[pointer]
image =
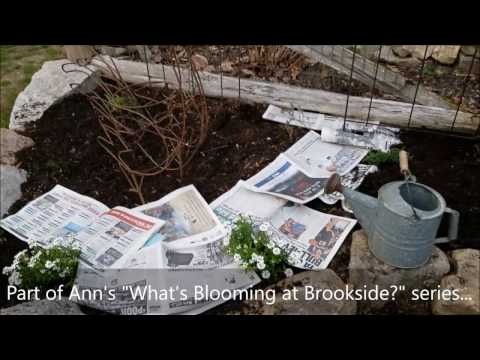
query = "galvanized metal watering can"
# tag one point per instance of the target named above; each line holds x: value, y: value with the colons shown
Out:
x: 402, y: 223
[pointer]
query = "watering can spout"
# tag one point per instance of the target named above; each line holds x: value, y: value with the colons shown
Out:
x: 364, y: 206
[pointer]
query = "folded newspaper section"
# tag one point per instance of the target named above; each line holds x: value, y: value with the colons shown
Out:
x: 158, y: 291
x: 381, y: 139
x: 192, y: 235
x: 188, y: 219
x: 350, y: 132
x: 311, y: 238
x: 300, y: 174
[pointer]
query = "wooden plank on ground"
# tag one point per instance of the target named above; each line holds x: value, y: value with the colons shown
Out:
x: 385, y: 111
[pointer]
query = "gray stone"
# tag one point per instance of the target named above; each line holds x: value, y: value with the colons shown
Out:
x: 466, y: 281
x: 446, y: 54
x: 11, y: 179
x: 465, y: 62
x: 49, y: 85
x: 323, y: 279
x: 389, y: 57
x: 416, y: 51
x: 469, y: 50
x: 366, y: 270
x: 10, y: 143
x: 44, y: 307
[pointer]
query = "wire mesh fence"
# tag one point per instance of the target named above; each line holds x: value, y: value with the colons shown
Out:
x: 265, y: 62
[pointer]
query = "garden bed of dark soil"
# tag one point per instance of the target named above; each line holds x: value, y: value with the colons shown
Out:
x: 240, y: 143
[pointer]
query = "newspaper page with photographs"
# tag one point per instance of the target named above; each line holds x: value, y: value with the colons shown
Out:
x: 320, y: 159
x: 57, y: 214
x: 311, y: 238
x: 117, y: 233
x: 188, y: 219
x: 283, y: 178
x: 300, y: 174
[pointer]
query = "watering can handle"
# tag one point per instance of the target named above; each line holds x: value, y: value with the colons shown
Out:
x: 452, y: 226
x: 403, y: 155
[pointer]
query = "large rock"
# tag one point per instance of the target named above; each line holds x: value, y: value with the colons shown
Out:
x: 466, y: 281
x: 11, y: 180
x: 446, y: 54
x: 49, y: 85
x: 10, y: 143
x: 44, y: 307
x: 466, y: 62
x: 387, y: 55
x: 416, y: 51
x: 323, y: 279
x: 366, y: 270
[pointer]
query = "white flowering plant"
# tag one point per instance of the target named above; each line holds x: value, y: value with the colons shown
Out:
x: 253, y: 249
x: 43, y: 268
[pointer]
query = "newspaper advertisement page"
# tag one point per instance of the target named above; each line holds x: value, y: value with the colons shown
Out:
x: 311, y: 238
x: 188, y: 219
x: 283, y: 178
x: 113, y: 236
x: 57, y: 214
x: 321, y: 159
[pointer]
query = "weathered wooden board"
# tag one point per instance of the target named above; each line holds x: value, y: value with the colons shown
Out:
x: 384, y: 111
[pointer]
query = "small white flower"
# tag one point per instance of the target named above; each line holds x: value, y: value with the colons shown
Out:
x: 252, y: 261
x: 276, y: 251
x: 49, y: 264
x: 15, y: 278
x: 7, y: 270
x: 269, y: 232
x: 237, y: 258
x: 288, y: 272
x: 269, y: 245
x: 263, y: 227
x: 260, y: 259
x: 265, y: 274
x: 260, y: 265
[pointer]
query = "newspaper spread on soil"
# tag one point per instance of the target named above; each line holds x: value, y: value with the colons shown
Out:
x: 119, y: 249
x: 311, y: 238
x: 300, y: 174
x: 350, y: 132
x: 188, y: 219
x: 380, y: 139
x: 57, y: 213
x: 105, y: 236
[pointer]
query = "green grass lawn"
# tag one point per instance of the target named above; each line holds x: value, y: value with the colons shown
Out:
x: 17, y: 65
